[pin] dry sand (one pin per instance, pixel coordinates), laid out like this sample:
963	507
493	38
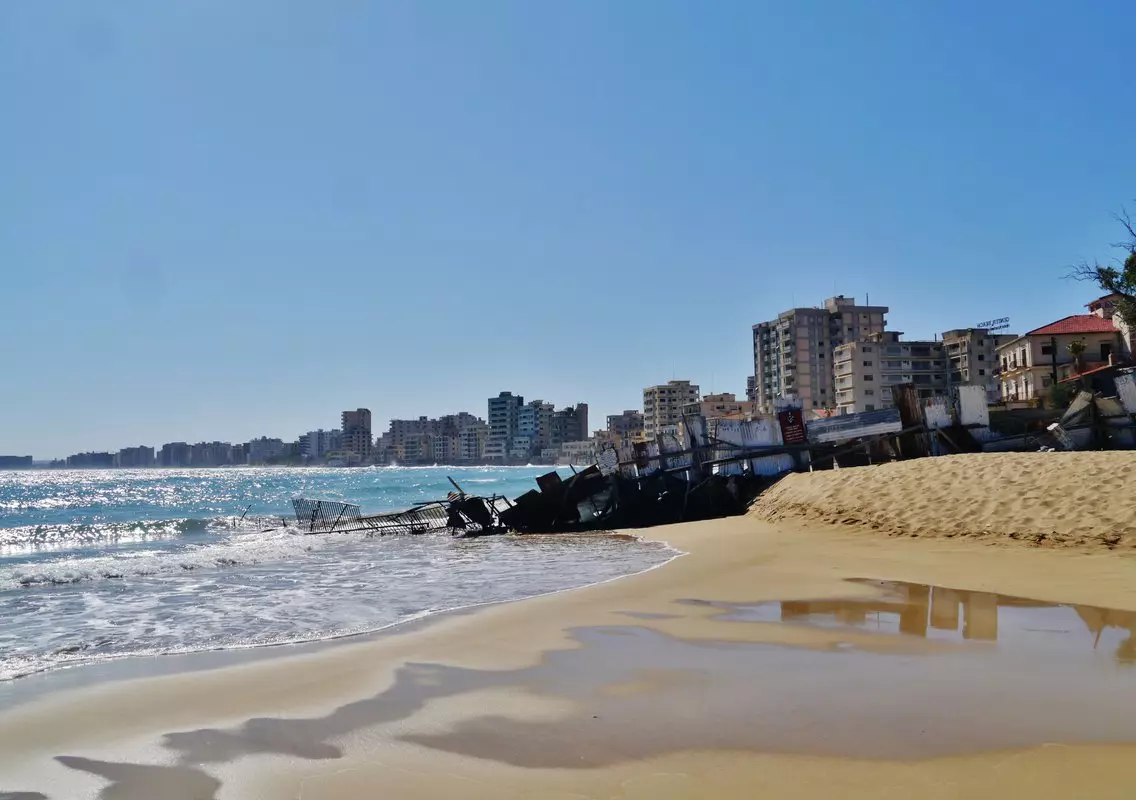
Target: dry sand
644	688
1084	500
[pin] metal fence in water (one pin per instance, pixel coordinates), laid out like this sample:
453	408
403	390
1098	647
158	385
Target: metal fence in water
331	516
326	515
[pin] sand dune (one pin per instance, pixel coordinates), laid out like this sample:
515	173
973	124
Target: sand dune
1085	500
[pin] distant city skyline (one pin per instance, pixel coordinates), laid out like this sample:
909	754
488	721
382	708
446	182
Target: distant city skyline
225	220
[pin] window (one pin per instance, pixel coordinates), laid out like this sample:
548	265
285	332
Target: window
869	392
981	343
869	407
820	355
1106	351
867	363
981	357
981	372
869	377
867	349
1047	349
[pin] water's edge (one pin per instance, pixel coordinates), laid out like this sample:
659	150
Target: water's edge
100	670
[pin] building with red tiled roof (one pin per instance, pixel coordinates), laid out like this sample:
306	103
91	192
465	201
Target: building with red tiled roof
1031	363
1075	323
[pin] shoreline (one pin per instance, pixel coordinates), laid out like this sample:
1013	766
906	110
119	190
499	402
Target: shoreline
316	719
135	666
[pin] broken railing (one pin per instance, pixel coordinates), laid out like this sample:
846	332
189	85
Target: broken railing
332	516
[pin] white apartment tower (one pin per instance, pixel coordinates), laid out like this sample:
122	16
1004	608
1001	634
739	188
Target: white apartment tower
663	405
793	354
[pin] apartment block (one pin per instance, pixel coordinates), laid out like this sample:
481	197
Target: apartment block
15	462
867	369
134	457
210	454
578	453
416	448
471	441
721	406
402	430
793	354
628	425
90	461
533	422
265	448
972	358
356	427
174	454
663	405
569	424
502	425
316	444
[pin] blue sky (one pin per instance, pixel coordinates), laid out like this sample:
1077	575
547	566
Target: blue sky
225	220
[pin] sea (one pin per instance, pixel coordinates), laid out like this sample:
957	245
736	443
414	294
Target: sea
110	564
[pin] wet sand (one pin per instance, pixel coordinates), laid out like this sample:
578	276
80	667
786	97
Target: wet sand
769	661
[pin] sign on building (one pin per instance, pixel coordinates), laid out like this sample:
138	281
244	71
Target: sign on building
792	426
999	324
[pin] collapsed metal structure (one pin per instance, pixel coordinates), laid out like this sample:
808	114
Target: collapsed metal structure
714	469
331	516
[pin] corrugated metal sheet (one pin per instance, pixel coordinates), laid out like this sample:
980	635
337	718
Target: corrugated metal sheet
758	433
854	426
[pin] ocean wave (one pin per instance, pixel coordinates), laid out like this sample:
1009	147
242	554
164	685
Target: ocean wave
240	550
87	534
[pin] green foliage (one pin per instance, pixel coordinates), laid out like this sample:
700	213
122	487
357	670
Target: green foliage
1119	277
1077	348
1060	395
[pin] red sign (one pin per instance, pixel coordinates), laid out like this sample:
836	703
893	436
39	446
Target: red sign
792	427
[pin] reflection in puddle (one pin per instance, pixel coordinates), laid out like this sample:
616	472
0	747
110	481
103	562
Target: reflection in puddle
1019	674
941	613
647	615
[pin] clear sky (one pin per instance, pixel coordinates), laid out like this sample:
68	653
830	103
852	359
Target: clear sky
222	219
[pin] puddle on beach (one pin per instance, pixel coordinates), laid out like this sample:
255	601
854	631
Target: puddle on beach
1014	673
951	615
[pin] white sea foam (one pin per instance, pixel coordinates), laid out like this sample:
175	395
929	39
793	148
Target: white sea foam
282	588
243	549
99	565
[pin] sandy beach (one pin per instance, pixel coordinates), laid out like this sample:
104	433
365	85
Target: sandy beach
1049	499
791	658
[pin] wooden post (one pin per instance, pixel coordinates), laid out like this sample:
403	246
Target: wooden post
906	398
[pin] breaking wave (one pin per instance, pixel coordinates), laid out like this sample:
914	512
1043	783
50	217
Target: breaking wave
239	550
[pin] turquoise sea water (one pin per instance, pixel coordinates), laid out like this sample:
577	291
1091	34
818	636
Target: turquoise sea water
105	564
